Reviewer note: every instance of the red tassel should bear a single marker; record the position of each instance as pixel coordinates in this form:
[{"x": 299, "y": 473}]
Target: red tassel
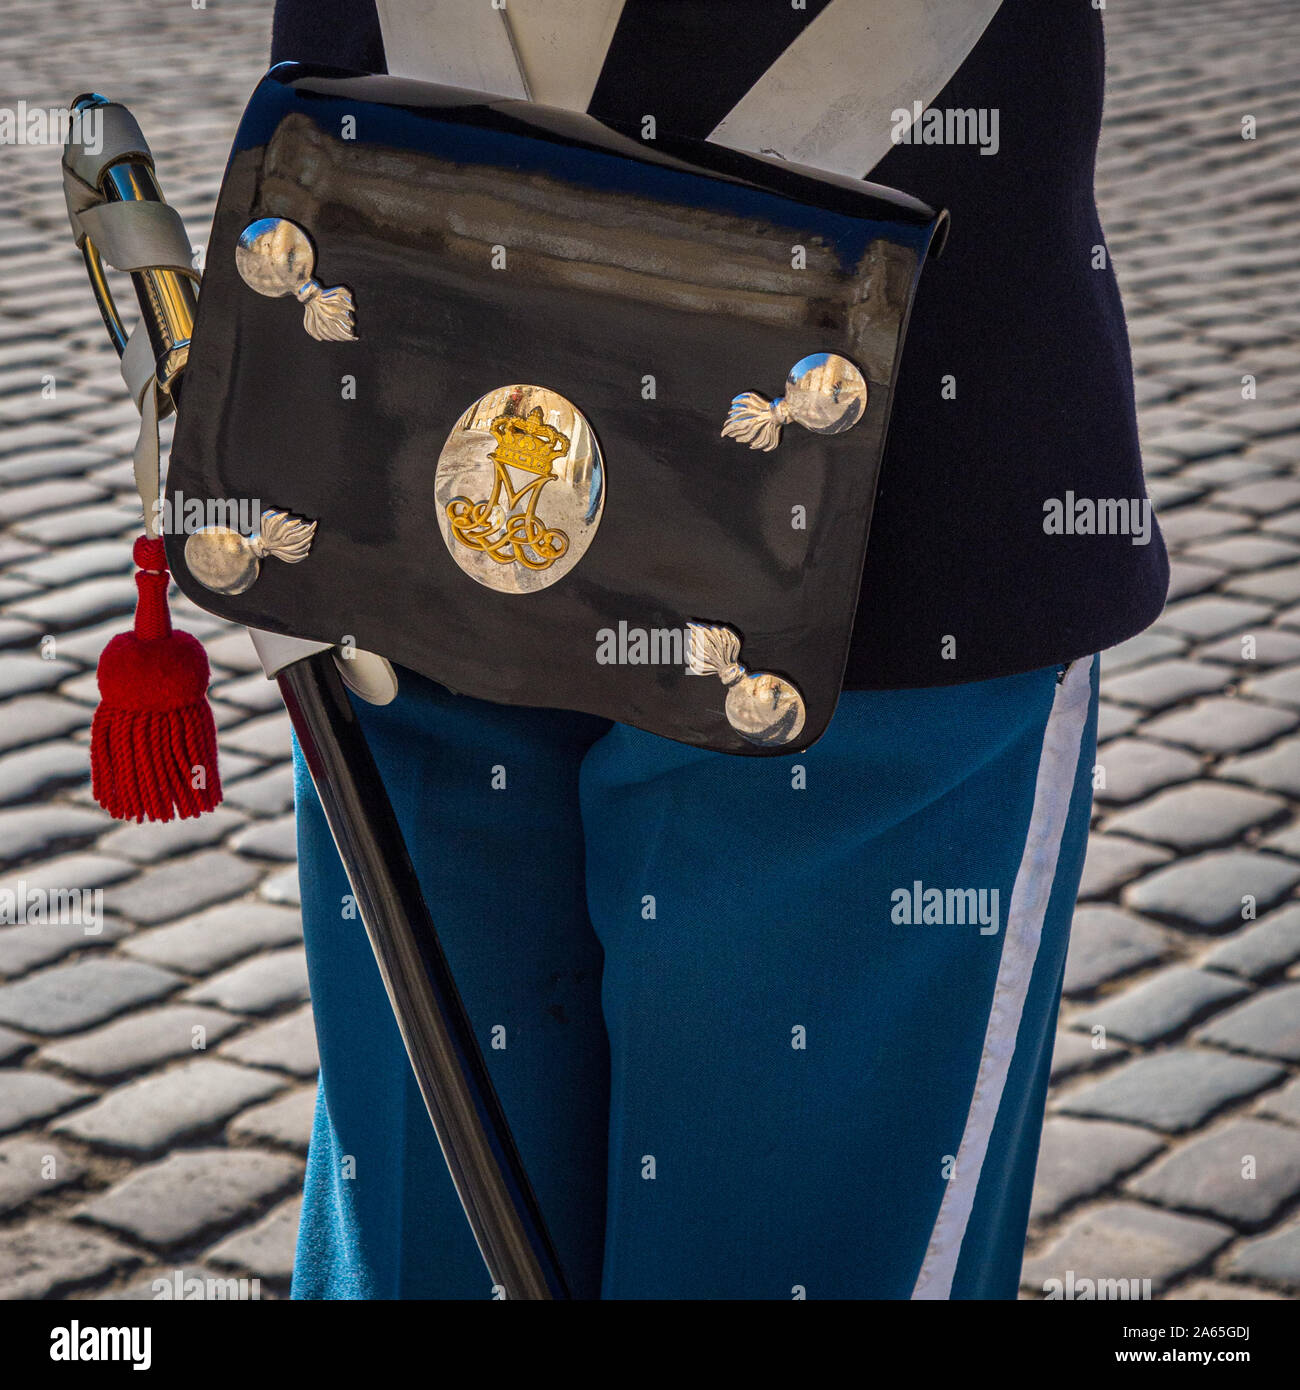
[{"x": 153, "y": 737}]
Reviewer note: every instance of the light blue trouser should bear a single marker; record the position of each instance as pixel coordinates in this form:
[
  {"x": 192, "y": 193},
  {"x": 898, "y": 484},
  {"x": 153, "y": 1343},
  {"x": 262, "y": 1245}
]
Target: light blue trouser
[{"x": 735, "y": 1064}]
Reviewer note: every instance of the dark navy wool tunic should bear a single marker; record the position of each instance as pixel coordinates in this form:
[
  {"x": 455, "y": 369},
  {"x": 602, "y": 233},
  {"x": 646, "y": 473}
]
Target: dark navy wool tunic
[{"x": 1015, "y": 397}]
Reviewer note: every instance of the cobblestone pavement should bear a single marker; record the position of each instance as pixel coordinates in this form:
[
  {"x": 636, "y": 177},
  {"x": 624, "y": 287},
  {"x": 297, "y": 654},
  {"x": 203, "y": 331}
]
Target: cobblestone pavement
[{"x": 126, "y": 1154}]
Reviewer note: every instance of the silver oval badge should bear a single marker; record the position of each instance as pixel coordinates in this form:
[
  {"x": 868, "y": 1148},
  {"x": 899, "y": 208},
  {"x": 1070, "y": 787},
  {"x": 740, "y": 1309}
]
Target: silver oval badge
[{"x": 520, "y": 489}]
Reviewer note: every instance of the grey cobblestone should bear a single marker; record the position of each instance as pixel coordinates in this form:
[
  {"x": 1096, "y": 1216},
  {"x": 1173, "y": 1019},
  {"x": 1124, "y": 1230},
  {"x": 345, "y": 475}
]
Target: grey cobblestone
[
  {"x": 1284, "y": 1104},
  {"x": 1076, "y": 1052},
  {"x": 1204, "y": 618},
  {"x": 217, "y": 937},
  {"x": 1281, "y": 584},
  {"x": 1114, "y": 720},
  {"x": 1122, "y": 1240},
  {"x": 78, "y": 604},
  {"x": 1234, "y": 552},
  {"x": 79, "y": 524},
  {"x": 66, "y": 872},
  {"x": 1080, "y": 1158},
  {"x": 1273, "y": 1258},
  {"x": 265, "y": 1248},
  {"x": 283, "y": 887},
  {"x": 141, "y": 1040},
  {"x": 1187, "y": 579},
  {"x": 148, "y": 842},
  {"x": 286, "y": 1121},
  {"x": 1137, "y": 651},
  {"x": 66, "y": 998},
  {"x": 288, "y": 1044},
  {"x": 1105, "y": 943},
  {"x": 157, "y": 1112},
  {"x": 144, "y": 1289},
  {"x": 1243, "y": 1173},
  {"x": 1198, "y": 523},
  {"x": 12, "y": 1045},
  {"x": 1277, "y": 769},
  {"x": 1208, "y": 889},
  {"x": 182, "y": 886},
  {"x": 92, "y": 558},
  {"x": 18, "y": 632},
  {"x": 1165, "y": 683},
  {"x": 46, "y": 1258},
  {"x": 276, "y": 839},
  {"x": 1136, "y": 767},
  {"x": 1281, "y": 686},
  {"x": 262, "y": 696},
  {"x": 1197, "y": 815},
  {"x": 23, "y": 948},
  {"x": 1271, "y": 648},
  {"x": 1171, "y": 1091},
  {"x": 38, "y": 718},
  {"x": 1112, "y": 860},
  {"x": 1267, "y": 495},
  {"x": 265, "y": 794},
  {"x": 257, "y": 985},
  {"x": 1218, "y": 1291},
  {"x": 31, "y": 772},
  {"x": 29, "y": 1167},
  {"x": 191, "y": 1192},
  {"x": 266, "y": 736},
  {"x": 1162, "y": 1005},
  {"x": 38, "y": 464},
  {"x": 234, "y": 652},
  {"x": 1268, "y": 1024},
  {"x": 1262, "y": 948},
  {"x": 32, "y": 1095},
  {"x": 39, "y": 499},
  {"x": 1222, "y": 726},
  {"x": 22, "y": 674}
]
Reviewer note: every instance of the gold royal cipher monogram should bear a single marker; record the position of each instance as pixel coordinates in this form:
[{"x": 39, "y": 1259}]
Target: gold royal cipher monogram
[
  {"x": 489, "y": 499},
  {"x": 517, "y": 536}
]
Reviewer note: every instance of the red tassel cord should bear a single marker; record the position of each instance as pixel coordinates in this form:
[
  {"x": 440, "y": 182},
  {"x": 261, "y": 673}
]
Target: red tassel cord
[{"x": 153, "y": 745}]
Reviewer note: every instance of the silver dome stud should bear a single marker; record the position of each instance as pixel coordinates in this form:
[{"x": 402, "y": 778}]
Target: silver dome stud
[
  {"x": 226, "y": 562},
  {"x": 824, "y": 393},
  {"x": 275, "y": 257}
]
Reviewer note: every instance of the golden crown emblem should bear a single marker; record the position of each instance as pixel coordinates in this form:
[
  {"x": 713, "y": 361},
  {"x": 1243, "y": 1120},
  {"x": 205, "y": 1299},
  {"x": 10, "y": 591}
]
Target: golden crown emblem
[{"x": 528, "y": 443}]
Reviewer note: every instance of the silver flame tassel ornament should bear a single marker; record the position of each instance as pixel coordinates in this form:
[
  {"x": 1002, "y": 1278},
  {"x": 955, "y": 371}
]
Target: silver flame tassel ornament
[
  {"x": 275, "y": 257},
  {"x": 228, "y": 563},
  {"x": 761, "y": 707},
  {"x": 824, "y": 393}
]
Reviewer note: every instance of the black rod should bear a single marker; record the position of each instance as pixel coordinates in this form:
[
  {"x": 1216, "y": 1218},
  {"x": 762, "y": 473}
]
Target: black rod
[{"x": 467, "y": 1116}]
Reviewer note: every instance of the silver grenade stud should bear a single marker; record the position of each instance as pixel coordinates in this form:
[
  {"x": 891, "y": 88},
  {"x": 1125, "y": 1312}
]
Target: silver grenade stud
[
  {"x": 275, "y": 257},
  {"x": 763, "y": 708},
  {"x": 823, "y": 393},
  {"x": 228, "y": 563}
]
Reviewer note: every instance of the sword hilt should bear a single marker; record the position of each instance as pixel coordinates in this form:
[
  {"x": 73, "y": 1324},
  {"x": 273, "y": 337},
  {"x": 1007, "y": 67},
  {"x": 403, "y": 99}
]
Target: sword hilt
[{"x": 166, "y": 296}]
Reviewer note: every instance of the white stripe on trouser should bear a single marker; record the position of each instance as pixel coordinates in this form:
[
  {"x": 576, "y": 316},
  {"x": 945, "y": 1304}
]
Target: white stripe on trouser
[{"x": 1053, "y": 793}]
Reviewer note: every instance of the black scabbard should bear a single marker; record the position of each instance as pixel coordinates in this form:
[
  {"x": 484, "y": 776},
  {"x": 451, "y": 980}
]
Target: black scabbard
[{"x": 444, "y": 1053}]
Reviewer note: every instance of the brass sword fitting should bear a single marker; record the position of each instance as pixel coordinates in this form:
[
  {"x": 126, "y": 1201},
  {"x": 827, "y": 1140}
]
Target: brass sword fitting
[{"x": 167, "y": 298}]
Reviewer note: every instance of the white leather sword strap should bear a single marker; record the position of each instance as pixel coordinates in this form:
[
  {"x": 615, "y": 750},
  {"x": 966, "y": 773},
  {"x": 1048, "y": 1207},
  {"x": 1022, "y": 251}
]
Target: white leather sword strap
[
  {"x": 827, "y": 100},
  {"x": 128, "y": 236}
]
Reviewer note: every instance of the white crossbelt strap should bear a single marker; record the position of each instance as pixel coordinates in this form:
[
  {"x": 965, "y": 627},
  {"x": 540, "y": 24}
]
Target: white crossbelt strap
[
  {"x": 450, "y": 41},
  {"x": 562, "y": 45},
  {"x": 828, "y": 100}
]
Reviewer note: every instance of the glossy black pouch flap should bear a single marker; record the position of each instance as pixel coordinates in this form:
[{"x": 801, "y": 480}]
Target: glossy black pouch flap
[{"x": 487, "y": 350}]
